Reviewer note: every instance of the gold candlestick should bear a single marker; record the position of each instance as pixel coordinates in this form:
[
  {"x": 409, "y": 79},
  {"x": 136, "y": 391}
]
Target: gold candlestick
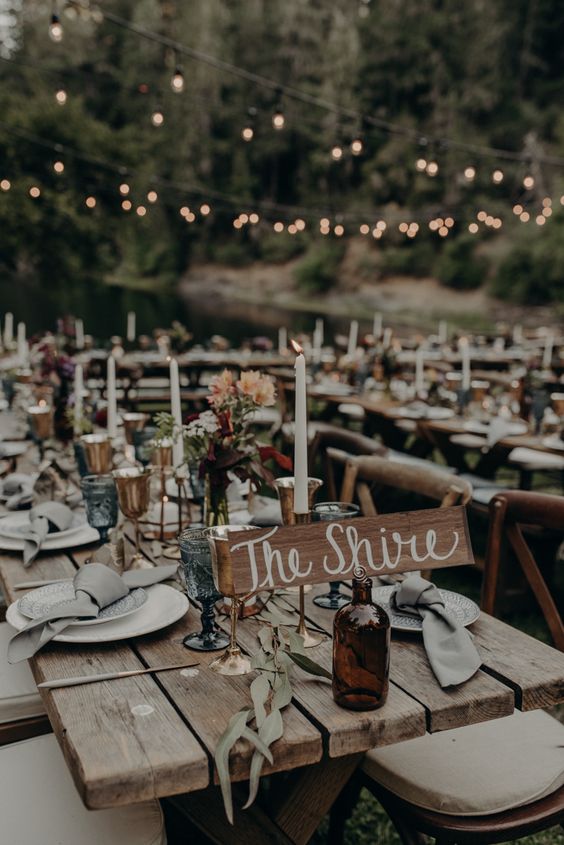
[{"x": 285, "y": 489}]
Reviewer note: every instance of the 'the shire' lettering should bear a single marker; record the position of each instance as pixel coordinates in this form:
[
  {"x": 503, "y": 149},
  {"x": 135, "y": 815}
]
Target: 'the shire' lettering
[{"x": 271, "y": 566}]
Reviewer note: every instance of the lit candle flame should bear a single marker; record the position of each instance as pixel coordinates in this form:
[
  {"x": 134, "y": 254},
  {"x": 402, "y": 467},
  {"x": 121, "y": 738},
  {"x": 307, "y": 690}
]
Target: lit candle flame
[
  {"x": 296, "y": 347},
  {"x": 42, "y": 403}
]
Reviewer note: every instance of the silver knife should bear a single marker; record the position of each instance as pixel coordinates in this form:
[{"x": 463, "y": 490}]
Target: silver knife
[
  {"x": 109, "y": 676},
  {"x": 28, "y": 585}
]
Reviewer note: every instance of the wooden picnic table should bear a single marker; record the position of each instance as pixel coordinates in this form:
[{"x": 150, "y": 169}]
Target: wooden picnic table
[{"x": 122, "y": 755}]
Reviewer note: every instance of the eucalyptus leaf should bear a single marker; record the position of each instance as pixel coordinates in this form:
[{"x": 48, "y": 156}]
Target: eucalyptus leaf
[
  {"x": 255, "y": 739},
  {"x": 271, "y": 730},
  {"x": 309, "y": 665},
  {"x": 265, "y": 638},
  {"x": 234, "y": 731},
  {"x": 260, "y": 691},
  {"x": 296, "y": 643},
  {"x": 276, "y": 617},
  {"x": 282, "y": 695}
]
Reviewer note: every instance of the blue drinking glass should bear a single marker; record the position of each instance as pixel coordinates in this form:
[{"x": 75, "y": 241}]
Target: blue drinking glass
[
  {"x": 198, "y": 579},
  {"x": 333, "y": 512},
  {"x": 100, "y": 499}
]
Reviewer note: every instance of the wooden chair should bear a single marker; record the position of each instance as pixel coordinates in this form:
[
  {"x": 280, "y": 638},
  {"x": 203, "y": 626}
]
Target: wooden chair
[
  {"x": 489, "y": 782},
  {"x": 509, "y": 512},
  {"x": 363, "y": 474},
  {"x": 332, "y": 437}
]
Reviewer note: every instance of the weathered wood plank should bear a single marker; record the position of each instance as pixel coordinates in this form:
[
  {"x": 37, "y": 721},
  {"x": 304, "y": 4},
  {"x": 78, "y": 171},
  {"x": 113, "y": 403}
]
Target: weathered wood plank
[
  {"x": 347, "y": 732},
  {"x": 118, "y": 754},
  {"x": 478, "y": 700},
  {"x": 534, "y": 670},
  {"x": 208, "y": 701},
  {"x": 44, "y": 567}
]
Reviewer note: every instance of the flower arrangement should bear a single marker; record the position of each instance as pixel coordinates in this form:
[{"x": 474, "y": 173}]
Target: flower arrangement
[{"x": 220, "y": 441}]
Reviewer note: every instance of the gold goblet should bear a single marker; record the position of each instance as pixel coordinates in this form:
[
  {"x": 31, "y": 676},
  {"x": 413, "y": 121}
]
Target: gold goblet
[
  {"x": 285, "y": 490},
  {"x": 41, "y": 421},
  {"x": 232, "y": 661},
  {"x": 133, "y": 422},
  {"x": 133, "y": 488},
  {"x": 97, "y": 453}
]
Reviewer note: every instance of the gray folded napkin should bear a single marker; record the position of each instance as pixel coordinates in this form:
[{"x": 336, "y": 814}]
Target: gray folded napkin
[
  {"x": 450, "y": 650},
  {"x": 43, "y": 519},
  {"x": 17, "y": 489},
  {"x": 96, "y": 586}
]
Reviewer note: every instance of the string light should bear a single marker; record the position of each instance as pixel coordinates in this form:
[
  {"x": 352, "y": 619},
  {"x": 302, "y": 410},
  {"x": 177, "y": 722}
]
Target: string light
[
  {"x": 55, "y": 29},
  {"x": 547, "y": 211},
  {"x": 5, "y": 184},
  {"x": 177, "y": 81},
  {"x": 540, "y": 220},
  {"x": 497, "y": 176},
  {"x": 524, "y": 217},
  {"x": 34, "y": 192},
  {"x": 336, "y": 152},
  {"x": 470, "y": 173},
  {"x": 364, "y": 229},
  {"x": 152, "y": 196},
  {"x": 184, "y": 211},
  {"x": 443, "y": 231},
  {"x": 141, "y": 211},
  {"x": 90, "y": 202},
  {"x": 248, "y": 130},
  {"x": 421, "y": 164},
  {"x": 244, "y": 218},
  {"x": 237, "y": 224},
  {"x": 339, "y": 230},
  {"x": 247, "y": 133},
  {"x": 403, "y": 227},
  {"x": 205, "y": 209},
  {"x": 126, "y": 205},
  {"x": 278, "y": 226},
  {"x": 292, "y": 229},
  {"x": 58, "y": 167},
  {"x": 528, "y": 182},
  {"x": 254, "y": 218},
  {"x": 157, "y": 118},
  {"x": 376, "y": 233},
  {"x": 381, "y": 225},
  {"x": 473, "y": 228},
  {"x": 481, "y": 216},
  {"x": 432, "y": 168},
  {"x": 124, "y": 189},
  {"x": 278, "y": 119},
  {"x": 547, "y": 202},
  {"x": 517, "y": 209},
  {"x": 357, "y": 146},
  {"x": 190, "y": 217},
  {"x": 61, "y": 96},
  {"x": 300, "y": 224}
]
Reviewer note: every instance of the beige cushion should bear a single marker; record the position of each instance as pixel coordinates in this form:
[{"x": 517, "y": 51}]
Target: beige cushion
[
  {"x": 477, "y": 770},
  {"x": 39, "y": 804},
  {"x": 19, "y": 698}
]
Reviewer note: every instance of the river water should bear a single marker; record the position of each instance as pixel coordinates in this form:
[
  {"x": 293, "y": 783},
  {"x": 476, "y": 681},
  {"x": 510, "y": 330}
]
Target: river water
[{"x": 104, "y": 311}]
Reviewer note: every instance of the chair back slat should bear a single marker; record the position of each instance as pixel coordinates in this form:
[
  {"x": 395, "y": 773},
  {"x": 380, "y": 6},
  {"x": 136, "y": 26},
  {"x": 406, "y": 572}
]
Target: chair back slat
[{"x": 511, "y": 512}]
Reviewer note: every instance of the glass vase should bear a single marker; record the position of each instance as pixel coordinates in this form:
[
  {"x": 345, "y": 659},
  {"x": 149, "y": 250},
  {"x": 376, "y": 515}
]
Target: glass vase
[{"x": 216, "y": 508}]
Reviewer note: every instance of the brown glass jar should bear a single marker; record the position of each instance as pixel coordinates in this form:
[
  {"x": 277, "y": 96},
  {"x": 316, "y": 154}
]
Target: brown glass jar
[{"x": 361, "y": 651}]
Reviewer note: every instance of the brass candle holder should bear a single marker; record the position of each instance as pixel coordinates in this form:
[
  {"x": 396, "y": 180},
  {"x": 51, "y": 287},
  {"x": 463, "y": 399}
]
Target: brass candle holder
[
  {"x": 134, "y": 490},
  {"x": 232, "y": 661},
  {"x": 285, "y": 490},
  {"x": 161, "y": 465},
  {"x": 97, "y": 453}
]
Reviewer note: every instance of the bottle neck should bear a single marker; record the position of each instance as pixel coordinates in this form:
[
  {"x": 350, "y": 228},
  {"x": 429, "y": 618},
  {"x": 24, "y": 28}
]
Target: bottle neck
[{"x": 362, "y": 591}]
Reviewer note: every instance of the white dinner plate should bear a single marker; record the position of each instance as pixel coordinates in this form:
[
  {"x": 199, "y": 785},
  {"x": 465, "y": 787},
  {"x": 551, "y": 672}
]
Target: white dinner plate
[
  {"x": 41, "y": 601},
  {"x": 16, "y": 524},
  {"x": 52, "y": 543},
  {"x": 462, "y": 609},
  {"x": 13, "y": 448},
  {"x": 164, "y": 606}
]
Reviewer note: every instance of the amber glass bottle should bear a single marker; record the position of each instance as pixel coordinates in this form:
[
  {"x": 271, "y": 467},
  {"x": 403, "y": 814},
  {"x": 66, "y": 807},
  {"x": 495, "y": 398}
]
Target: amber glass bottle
[{"x": 361, "y": 650}]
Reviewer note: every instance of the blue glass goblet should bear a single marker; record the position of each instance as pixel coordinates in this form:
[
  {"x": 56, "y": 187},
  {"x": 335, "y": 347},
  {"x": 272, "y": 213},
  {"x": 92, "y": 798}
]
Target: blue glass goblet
[
  {"x": 333, "y": 512},
  {"x": 100, "y": 499},
  {"x": 198, "y": 578}
]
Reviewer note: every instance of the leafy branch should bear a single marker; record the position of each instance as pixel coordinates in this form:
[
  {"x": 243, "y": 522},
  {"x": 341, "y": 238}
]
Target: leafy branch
[{"x": 271, "y": 691}]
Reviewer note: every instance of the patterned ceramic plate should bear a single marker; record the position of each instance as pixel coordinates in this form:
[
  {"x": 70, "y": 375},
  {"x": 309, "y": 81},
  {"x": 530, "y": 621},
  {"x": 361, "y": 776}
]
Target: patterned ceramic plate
[
  {"x": 462, "y": 609},
  {"x": 39, "y": 602},
  {"x": 15, "y": 525}
]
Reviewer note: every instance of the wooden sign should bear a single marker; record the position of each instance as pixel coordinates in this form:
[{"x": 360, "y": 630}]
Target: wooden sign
[{"x": 277, "y": 557}]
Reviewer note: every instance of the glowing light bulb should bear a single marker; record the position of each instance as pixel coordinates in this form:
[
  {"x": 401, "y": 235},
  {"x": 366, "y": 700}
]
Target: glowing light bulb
[
  {"x": 278, "y": 119},
  {"x": 55, "y": 29},
  {"x": 481, "y": 215},
  {"x": 381, "y": 225},
  {"x": 470, "y": 173},
  {"x": 177, "y": 81},
  {"x": 547, "y": 211},
  {"x": 524, "y": 217},
  {"x": 547, "y": 202},
  {"x": 237, "y": 224},
  {"x": 278, "y": 227},
  {"x": 339, "y": 230},
  {"x": 61, "y": 96},
  {"x": 357, "y": 146},
  {"x": 473, "y": 228},
  {"x": 421, "y": 164},
  {"x": 300, "y": 224},
  {"x": 528, "y": 182},
  {"x": 184, "y": 211},
  {"x": 244, "y": 218},
  {"x": 337, "y": 152},
  {"x": 497, "y": 223},
  {"x": 90, "y": 202},
  {"x": 124, "y": 189},
  {"x": 34, "y": 192},
  {"x": 292, "y": 229},
  {"x": 324, "y": 222},
  {"x": 449, "y": 222},
  {"x": 190, "y": 217},
  {"x": 5, "y": 184},
  {"x": 157, "y": 118},
  {"x": 141, "y": 211},
  {"x": 58, "y": 167},
  {"x": 254, "y": 218},
  {"x": 517, "y": 209},
  {"x": 247, "y": 133},
  {"x": 443, "y": 231},
  {"x": 497, "y": 176},
  {"x": 126, "y": 205},
  {"x": 540, "y": 220},
  {"x": 364, "y": 229},
  {"x": 152, "y": 196},
  {"x": 403, "y": 227},
  {"x": 432, "y": 168},
  {"x": 205, "y": 209},
  {"x": 376, "y": 233}
]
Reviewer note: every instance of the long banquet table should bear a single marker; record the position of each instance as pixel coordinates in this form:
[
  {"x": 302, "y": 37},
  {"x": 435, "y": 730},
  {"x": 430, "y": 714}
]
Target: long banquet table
[{"x": 120, "y": 753}]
